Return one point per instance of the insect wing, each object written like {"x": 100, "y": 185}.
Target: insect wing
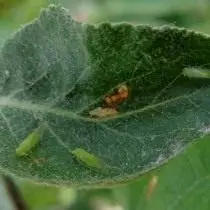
{"x": 87, "y": 158}
{"x": 196, "y": 73}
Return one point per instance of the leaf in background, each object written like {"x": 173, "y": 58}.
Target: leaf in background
{"x": 16, "y": 12}
{"x": 181, "y": 13}
{"x": 57, "y": 70}
{"x": 67, "y": 196}
{"x": 5, "y": 5}
{"x": 183, "y": 183}
{"x": 38, "y": 196}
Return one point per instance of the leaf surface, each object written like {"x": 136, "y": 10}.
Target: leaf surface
{"x": 56, "y": 70}
{"x": 182, "y": 184}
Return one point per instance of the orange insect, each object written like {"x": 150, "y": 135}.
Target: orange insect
{"x": 103, "y": 112}
{"x": 151, "y": 186}
{"x": 119, "y": 97}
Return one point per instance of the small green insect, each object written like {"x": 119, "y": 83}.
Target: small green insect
{"x": 30, "y": 141}
{"x": 193, "y": 72}
{"x": 88, "y": 159}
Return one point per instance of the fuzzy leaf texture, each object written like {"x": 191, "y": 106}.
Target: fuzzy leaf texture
{"x": 57, "y": 71}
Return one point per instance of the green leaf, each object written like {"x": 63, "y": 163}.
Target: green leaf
{"x": 183, "y": 183}
{"x": 38, "y": 196}
{"x": 57, "y": 70}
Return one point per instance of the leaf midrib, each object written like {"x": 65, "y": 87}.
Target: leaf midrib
{"x": 45, "y": 108}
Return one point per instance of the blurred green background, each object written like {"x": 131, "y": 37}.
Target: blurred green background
{"x": 192, "y": 14}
